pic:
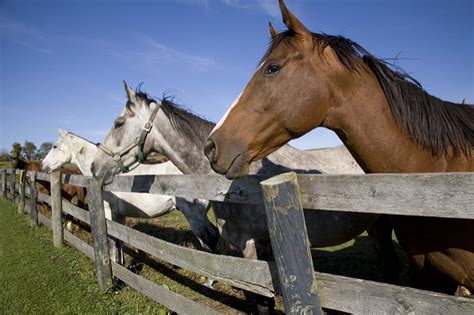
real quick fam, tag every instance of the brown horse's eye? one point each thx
(272, 68)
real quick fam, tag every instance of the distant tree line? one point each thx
(27, 151)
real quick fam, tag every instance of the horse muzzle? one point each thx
(232, 164)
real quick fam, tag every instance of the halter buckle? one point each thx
(148, 126)
(116, 157)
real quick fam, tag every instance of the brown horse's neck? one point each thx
(362, 119)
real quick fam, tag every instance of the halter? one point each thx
(138, 142)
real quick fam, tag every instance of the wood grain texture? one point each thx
(4, 183)
(43, 176)
(44, 198)
(33, 196)
(290, 244)
(12, 186)
(99, 235)
(77, 180)
(56, 209)
(45, 221)
(429, 194)
(79, 244)
(21, 190)
(232, 270)
(174, 301)
(76, 212)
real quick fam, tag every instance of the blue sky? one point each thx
(62, 62)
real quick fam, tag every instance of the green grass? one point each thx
(37, 278)
(6, 164)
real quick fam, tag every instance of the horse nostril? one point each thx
(93, 168)
(210, 150)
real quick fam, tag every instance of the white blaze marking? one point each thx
(232, 106)
(227, 113)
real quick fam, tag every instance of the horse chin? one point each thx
(239, 167)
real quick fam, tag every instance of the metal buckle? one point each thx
(148, 126)
(116, 157)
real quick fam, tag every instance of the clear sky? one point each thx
(62, 62)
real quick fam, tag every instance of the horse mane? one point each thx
(190, 125)
(80, 137)
(442, 127)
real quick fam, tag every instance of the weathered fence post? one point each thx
(12, 184)
(33, 196)
(56, 209)
(99, 234)
(4, 183)
(289, 238)
(21, 203)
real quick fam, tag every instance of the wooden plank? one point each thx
(12, 186)
(428, 194)
(368, 297)
(440, 195)
(76, 212)
(33, 197)
(45, 221)
(56, 209)
(4, 183)
(262, 277)
(43, 176)
(21, 189)
(77, 180)
(174, 301)
(79, 244)
(231, 270)
(291, 248)
(44, 198)
(99, 234)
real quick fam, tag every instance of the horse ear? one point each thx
(62, 132)
(130, 93)
(273, 31)
(292, 22)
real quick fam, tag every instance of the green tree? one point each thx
(29, 149)
(16, 150)
(4, 156)
(44, 149)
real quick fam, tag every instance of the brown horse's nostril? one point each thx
(210, 150)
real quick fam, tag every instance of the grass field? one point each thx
(39, 279)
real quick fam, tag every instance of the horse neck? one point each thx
(183, 149)
(83, 160)
(361, 117)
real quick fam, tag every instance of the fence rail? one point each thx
(441, 195)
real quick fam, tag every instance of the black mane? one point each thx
(188, 124)
(439, 126)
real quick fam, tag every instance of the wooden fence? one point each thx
(447, 195)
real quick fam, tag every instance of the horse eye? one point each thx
(119, 122)
(272, 69)
(55, 146)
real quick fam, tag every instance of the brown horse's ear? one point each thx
(292, 22)
(273, 31)
(130, 93)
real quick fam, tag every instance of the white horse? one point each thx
(74, 149)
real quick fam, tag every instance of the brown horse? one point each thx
(68, 191)
(386, 120)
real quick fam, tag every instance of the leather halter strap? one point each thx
(139, 142)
